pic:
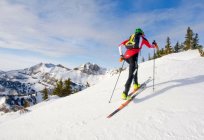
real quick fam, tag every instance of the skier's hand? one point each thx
(121, 58)
(155, 44)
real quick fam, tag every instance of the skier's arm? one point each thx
(120, 50)
(146, 43)
(121, 54)
(120, 47)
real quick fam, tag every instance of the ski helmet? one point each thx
(138, 30)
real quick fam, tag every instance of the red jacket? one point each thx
(130, 52)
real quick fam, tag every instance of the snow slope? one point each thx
(174, 111)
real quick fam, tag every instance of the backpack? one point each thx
(131, 42)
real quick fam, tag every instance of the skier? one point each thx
(133, 47)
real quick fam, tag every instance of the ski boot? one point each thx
(125, 97)
(128, 97)
(136, 86)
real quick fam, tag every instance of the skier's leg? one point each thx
(130, 77)
(136, 84)
(136, 74)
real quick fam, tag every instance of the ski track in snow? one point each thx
(175, 110)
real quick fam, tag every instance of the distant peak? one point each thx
(46, 65)
(91, 68)
(49, 65)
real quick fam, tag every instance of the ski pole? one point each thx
(154, 69)
(116, 81)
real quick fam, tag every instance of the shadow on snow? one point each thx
(180, 83)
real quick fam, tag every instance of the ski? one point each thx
(134, 94)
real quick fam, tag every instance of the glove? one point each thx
(155, 44)
(121, 58)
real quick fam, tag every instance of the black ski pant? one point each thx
(133, 71)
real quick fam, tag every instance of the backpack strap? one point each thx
(131, 42)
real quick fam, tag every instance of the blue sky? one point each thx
(73, 32)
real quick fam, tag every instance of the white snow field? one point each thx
(174, 111)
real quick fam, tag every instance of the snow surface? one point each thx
(175, 111)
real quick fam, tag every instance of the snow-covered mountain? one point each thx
(1, 71)
(44, 74)
(88, 72)
(91, 69)
(34, 79)
(85, 73)
(175, 110)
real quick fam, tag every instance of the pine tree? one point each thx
(45, 94)
(195, 42)
(182, 46)
(143, 59)
(162, 52)
(159, 53)
(155, 56)
(67, 89)
(201, 50)
(176, 47)
(58, 89)
(87, 84)
(27, 104)
(149, 57)
(168, 48)
(189, 39)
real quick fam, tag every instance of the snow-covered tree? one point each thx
(45, 94)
